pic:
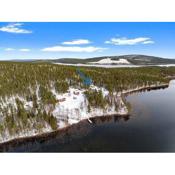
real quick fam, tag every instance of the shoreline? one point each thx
(53, 133)
(146, 88)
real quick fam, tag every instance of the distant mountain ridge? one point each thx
(118, 60)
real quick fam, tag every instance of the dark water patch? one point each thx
(87, 81)
(56, 141)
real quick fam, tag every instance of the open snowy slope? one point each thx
(110, 61)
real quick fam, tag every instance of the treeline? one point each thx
(34, 82)
(23, 78)
(17, 120)
(118, 79)
(20, 78)
(95, 99)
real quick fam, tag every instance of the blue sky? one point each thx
(83, 40)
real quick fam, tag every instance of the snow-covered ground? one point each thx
(71, 108)
(114, 65)
(99, 65)
(109, 61)
(166, 65)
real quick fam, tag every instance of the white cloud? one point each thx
(9, 49)
(132, 41)
(148, 42)
(21, 50)
(14, 28)
(77, 42)
(72, 49)
(24, 50)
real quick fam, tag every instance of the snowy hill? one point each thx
(118, 60)
(109, 61)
